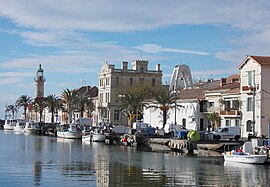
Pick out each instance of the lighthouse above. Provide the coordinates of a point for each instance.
(39, 79)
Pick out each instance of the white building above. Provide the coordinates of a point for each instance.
(255, 94)
(191, 115)
(225, 100)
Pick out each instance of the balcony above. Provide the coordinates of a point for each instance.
(230, 113)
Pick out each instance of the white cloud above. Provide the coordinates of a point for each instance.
(10, 80)
(16, 74)
(154, 48)
(122, 15)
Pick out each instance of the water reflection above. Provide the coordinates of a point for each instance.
(49, 161)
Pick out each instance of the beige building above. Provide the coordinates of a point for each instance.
(113, 81)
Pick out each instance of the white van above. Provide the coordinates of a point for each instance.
(228, 132)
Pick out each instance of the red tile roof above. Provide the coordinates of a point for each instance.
(262, 60)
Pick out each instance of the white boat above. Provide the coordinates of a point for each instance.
(19, 127)
(73, 132)
(31, 127)
(96, 136)
(10, 124)
(244, 158)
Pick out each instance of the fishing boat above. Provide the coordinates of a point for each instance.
(31, 127)
(19, 127)
(73, 132)
(244, 158)
(10, 124)
(97, 135)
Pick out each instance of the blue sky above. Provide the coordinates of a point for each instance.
(71, 39)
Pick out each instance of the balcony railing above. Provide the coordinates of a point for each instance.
(230, 113)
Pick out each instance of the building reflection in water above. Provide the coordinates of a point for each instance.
(96, 164)
(37, 170)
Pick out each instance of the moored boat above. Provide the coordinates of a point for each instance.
(10, 124)
(73, 132)
(244, 158)
(96, 136)
(31, 127)
(19, 127)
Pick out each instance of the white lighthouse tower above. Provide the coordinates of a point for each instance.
(39, 79)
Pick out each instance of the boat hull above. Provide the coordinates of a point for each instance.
(70, 135)
(8, 127)
(98, 137)
(250, 159)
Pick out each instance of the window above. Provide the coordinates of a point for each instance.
(116, 115)
(153, 82)
(249, 104)
(211, 104)
(250, 78)
(131, 82)
(249, 126)
(141, 80)
(227, 105)
(184, 121)
(117, 81)
(225, 130)
(228, 122)
(237, 122)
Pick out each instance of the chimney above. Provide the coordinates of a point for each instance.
(158, 67)
(124, 66)
(222, 82)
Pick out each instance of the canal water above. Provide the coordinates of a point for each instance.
(28, 160)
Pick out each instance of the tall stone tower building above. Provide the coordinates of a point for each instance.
(112, 81)
(39, 79)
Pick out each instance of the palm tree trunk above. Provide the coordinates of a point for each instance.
(164, 113)
(25, 113)
(52, 119)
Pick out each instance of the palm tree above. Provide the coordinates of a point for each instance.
(41, 105)
(133, 103)
(82, 101)
(213, 118)
(52, 101)
(163, 101)
(69, 98)
(90, 106)
(24, 101)
(13, 109)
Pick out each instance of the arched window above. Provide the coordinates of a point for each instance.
(249, 126)
(153, 82)
(117, 81)
(131, 82)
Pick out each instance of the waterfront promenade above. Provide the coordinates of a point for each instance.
(30, 160)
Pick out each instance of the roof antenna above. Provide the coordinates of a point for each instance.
(141, 55)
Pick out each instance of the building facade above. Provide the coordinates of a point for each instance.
(113, 81)
(255, 95)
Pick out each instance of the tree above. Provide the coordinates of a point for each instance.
(13, 109)
(213, 118)
(24, 101)
(52, 102)
(82, 101)
(133, 102)
(40, 104)
(164, 101)
(69, 98)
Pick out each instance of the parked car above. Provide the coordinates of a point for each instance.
(228, 132)
(144, 128)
